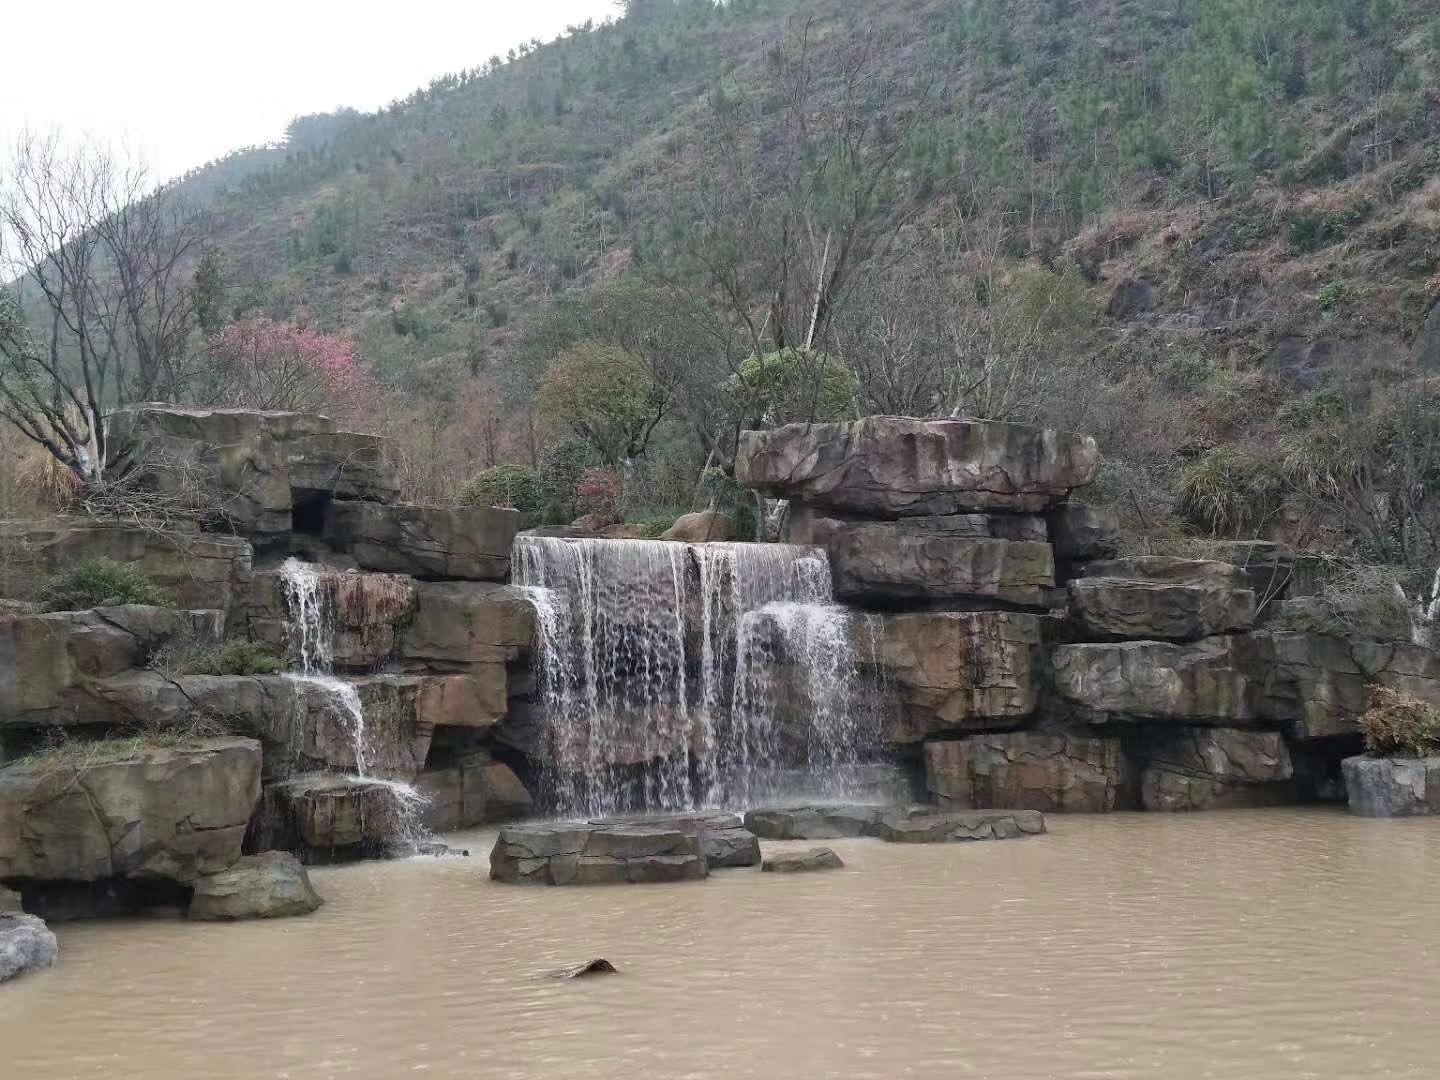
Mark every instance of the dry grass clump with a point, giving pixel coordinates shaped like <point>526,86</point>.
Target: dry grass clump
<point>1398,725</point>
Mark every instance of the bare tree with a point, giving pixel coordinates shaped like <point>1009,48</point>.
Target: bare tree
<point>103,262</point>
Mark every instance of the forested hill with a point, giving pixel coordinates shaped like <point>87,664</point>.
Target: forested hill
<point>1205,230</point>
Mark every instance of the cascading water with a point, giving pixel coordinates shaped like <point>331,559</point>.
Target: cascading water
<point>673,676</point>
<point>312,621</point>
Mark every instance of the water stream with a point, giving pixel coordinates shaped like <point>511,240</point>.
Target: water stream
<point>673,676</point>
<point>312,622</point>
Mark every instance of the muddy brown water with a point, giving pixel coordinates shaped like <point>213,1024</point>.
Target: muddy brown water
<point>1242,945</point>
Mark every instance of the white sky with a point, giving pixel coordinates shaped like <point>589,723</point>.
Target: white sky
<point>182,83</point>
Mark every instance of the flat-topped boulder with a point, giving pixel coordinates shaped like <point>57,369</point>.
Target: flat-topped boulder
<point>121,809</point>
<point>958,670</point>
<point>1168,790</point>
<point>577,853</point>
<point>194,569</point>
<point>468,542</point>
<point>822,821</point>
<point>887,466</point>
<point>1222,753</point>
<point>271,885</point>
<point>940,828</point>
<point>724,840</point>
<point>802,862</point>
<point>251,467</point>
<point>1029,770</point>
<point>1318,684</point>
<point>1217,680</point>
<point>52,662</point>
<point>978,556</point>
<point>26,944</point>
<point>1165,610</point>
<point>1392,786</point>
<point>329,817</point>
<point>1170,569</point>
<point>462,623</point>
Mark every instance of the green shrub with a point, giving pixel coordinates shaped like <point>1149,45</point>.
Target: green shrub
<point>1228,493</point>
<point>561,466</point>
<point>1398,724</point>
<point>515,486</point>
<point>234,657</point>
<point>99,583</point>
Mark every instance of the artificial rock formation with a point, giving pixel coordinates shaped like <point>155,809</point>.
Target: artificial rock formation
<point>803,862</point>
<point>26,944</point>
<point>271,885</point>
<point>1214,681</point>
<point>172,813</point>
<point>581,854</point>
<point>960,825</point>
<point>885,466</point>
<point>1393,786</point>
<point>1029,770</point>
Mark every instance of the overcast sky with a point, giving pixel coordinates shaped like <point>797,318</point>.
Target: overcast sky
<point>184,83</point>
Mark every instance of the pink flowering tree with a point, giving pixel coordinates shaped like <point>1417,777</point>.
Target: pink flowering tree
<point>259,364</point>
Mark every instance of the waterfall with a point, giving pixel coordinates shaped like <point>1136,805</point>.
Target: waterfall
<point>673,676</point>
<point>310,599</point>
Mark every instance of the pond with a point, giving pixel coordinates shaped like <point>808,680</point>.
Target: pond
<point>1244,944</point>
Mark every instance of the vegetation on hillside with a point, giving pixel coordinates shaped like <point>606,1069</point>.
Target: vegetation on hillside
<point>1207,231</point>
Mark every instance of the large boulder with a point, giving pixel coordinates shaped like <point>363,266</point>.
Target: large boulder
<point>1222,753</point>
<point>304,724</point>
<point>251,467</point>
<point>724,840</point>
<point>966,671</point>
<point>888,466</point>
<point>459,623</point>
<point>935,558</point>
<point>702,527</point>
<point>1318,684</point>
<point>472,792</point>
<point>326,817</point>
<point>1214,681</point>
<point>820,821</point>
<point>1170,569</point>
<point>579,854</point>
<point>803,862</point>
<point>52,663</point>
<point>471,542</point>
<point>117,809</point>
<point>26,944</point>
<point>1168,790</point>
<point>1029,770</point>
<point>1116,607</point>
<point>195,569</point>
<point>1392,787</point>
<point>271,885</point>
<point>941,828</point>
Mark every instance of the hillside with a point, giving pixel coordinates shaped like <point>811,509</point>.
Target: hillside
<point>1228,210</point>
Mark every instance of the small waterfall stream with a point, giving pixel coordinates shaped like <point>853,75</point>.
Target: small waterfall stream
<point>312,621</point>
<point>673,676</point>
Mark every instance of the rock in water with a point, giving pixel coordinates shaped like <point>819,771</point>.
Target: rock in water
<point>599,966</point>
<point>799,862</point>
<point>26,943</point>
<point>271,885</point>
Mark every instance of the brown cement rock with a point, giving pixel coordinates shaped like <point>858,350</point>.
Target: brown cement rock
<point>959,671</point>
<point>271,885</point>
<point>172,813</point>
<point>1170,611</point>
<point>1168,791</point>
<point>888,466</point>
<point>1029,770</point>
<point>703,527</point>
<point>460,623</point>
<point>471,542</point>
<point>935,558</point>
<point>579,854</point>
<point>1217,681</point>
